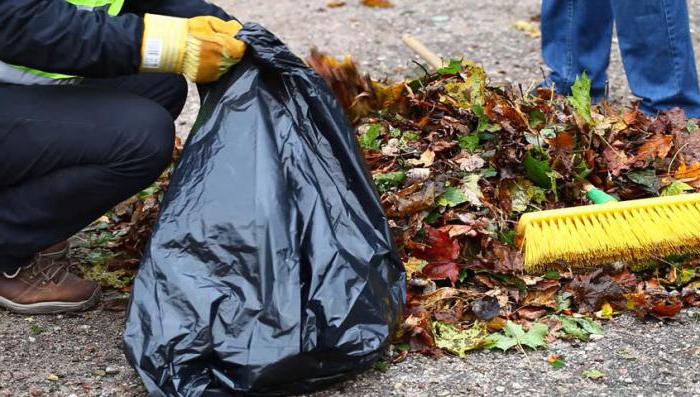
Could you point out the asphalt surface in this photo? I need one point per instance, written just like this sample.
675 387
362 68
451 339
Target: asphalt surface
81 354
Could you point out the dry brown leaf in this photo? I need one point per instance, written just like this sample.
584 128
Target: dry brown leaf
688 147
426 159
471 163
509 260
418 201
460 230
545 298
531 313
358 94
415 175
656 147
616 160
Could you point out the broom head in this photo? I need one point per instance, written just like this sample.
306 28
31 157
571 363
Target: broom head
631 231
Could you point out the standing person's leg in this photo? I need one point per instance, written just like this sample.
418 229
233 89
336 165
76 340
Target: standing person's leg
67 155
657 52
576 38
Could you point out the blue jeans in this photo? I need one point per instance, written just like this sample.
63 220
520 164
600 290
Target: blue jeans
655 43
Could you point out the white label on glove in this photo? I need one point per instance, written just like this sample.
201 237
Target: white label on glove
152 50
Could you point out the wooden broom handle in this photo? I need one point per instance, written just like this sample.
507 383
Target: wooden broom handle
413 43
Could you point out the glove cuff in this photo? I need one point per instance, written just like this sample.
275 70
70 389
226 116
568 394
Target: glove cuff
164 42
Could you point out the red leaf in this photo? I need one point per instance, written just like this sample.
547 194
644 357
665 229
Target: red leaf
638 302
439 271
626 280
663 310
441 248
545 93
563 143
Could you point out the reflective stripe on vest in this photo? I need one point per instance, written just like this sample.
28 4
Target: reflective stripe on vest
13 74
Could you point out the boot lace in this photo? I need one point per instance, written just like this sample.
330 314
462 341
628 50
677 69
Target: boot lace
45 270
48 270
15 274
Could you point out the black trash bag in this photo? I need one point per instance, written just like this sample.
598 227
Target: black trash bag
271 269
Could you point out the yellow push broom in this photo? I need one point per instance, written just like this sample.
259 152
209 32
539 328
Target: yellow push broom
609 230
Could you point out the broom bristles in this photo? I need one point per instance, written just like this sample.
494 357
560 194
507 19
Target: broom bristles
631 231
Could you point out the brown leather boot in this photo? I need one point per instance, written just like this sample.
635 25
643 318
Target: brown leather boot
57 251
47 287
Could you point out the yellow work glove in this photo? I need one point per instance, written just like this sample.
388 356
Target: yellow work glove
201 48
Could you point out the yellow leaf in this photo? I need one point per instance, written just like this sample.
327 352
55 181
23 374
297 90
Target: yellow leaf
496 324
528 27
414 265
377 3
388 94
688 172
606 312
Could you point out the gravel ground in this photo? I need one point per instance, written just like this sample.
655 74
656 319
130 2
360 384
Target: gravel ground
81 354
638 359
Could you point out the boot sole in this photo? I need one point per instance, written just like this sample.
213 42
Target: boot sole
52 307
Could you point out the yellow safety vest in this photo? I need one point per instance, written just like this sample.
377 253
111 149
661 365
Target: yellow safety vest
15 74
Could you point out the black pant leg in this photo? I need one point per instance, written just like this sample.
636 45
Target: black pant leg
67 155
168 90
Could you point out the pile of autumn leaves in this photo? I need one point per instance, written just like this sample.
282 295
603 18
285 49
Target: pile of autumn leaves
457 163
